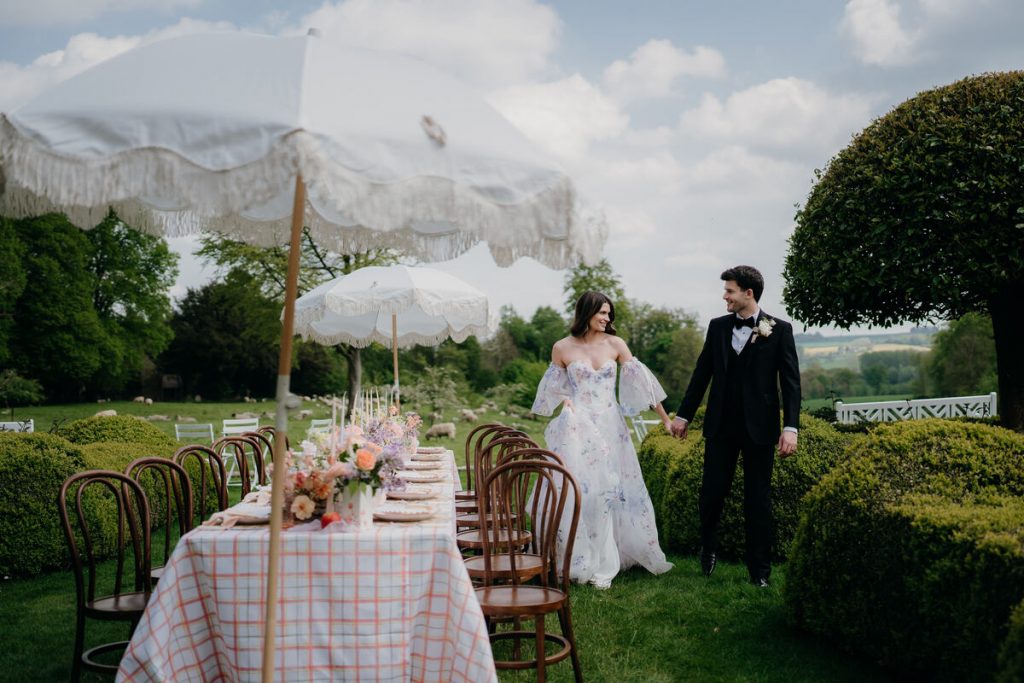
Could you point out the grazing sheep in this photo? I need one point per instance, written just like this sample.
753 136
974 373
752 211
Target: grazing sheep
158 418
148 401
185 419
244 416
198 398
107 413
441 429
435 417
139 399
305 414
467 415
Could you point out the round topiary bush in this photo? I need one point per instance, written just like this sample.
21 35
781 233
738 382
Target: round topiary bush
122 428
32 469
909 550
673 470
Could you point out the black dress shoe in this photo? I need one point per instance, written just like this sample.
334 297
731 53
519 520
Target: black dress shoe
760 583
707 562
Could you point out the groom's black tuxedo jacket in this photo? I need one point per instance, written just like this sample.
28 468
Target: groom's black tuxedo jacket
767 365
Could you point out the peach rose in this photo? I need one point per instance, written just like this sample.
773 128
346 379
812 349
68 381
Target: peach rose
365 459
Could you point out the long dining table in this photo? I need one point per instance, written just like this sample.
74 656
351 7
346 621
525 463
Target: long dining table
390 603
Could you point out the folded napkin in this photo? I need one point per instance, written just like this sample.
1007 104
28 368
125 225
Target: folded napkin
254 509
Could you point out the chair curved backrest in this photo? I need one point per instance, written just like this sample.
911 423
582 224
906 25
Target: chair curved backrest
265 440
271 433
171 479
212 477
241 447
508 488
477 434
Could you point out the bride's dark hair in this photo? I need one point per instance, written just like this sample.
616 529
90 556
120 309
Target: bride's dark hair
587 306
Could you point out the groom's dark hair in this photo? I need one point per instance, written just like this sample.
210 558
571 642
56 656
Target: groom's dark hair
747 277
587 307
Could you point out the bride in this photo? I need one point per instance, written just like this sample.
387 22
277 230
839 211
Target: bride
616 528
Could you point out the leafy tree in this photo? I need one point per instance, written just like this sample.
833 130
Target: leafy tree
133 273
549 327
226 339
317 264
58 338
13 279
596 278
963 361
889 371
15 391
435 392
920 218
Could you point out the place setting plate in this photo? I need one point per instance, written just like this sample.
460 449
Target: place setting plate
406 512
431 450
428 457
413 493
423 465
421 477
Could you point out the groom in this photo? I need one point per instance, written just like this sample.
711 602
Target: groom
748 357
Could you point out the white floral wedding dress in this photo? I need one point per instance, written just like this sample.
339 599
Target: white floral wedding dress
616 529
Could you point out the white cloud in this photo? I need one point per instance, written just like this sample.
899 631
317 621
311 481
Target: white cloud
82 51
876 32
50 12
487 42
734 171
784 113
564 116
654 68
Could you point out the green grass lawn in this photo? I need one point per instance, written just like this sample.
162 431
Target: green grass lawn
675 627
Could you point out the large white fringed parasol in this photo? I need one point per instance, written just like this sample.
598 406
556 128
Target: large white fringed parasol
255 136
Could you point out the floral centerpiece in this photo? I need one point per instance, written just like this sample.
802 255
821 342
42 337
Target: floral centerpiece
341 471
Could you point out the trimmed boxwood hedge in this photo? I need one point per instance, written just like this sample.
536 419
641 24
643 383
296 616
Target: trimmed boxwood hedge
1011 659
123 428
672 470
910 549
32 469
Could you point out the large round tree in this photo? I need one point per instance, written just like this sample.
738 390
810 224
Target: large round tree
921 218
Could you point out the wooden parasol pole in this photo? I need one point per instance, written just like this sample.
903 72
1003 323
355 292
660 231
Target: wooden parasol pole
284 371
394 354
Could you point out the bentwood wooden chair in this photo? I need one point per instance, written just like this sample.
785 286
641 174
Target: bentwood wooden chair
473 440
209 480
171 482
265 440
504 594
502 442
271 433
247 458
122 597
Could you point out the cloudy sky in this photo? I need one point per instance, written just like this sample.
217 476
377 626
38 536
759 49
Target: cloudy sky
695 126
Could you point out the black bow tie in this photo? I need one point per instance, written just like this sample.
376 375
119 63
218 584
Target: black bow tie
743 322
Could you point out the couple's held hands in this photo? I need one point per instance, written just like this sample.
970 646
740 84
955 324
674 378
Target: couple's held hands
678 427
787 444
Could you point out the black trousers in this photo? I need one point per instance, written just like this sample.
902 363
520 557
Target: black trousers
720 454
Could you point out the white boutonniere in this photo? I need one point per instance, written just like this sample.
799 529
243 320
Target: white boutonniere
763 329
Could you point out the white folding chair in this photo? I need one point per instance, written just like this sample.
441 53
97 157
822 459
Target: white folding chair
25 426
194 432
324 425
235 427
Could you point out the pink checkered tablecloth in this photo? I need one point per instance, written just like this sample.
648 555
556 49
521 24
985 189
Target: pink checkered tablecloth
393 603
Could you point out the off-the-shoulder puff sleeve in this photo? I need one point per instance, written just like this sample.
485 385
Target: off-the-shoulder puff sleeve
638 388
552 390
